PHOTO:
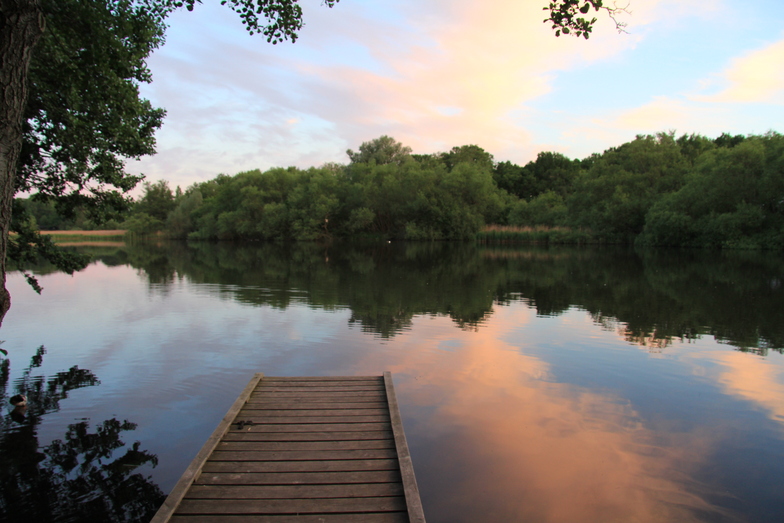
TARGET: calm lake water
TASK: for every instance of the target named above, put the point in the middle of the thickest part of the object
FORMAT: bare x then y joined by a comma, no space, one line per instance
535,384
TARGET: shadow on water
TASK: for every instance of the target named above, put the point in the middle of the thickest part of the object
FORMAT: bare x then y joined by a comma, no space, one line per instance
650,297
88,475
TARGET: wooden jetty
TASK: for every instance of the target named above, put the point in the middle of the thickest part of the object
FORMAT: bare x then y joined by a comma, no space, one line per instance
303,450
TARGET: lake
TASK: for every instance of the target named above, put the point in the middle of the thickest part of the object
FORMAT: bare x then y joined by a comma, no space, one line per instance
535,384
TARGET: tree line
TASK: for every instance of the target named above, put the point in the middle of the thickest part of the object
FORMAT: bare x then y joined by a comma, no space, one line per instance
655,190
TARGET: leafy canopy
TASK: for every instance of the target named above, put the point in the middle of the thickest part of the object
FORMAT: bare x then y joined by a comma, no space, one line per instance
277,20
566,19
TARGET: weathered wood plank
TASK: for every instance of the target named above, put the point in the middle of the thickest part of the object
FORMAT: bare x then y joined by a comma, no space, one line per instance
299,478
329,396
246,435
302,455
292,506
322,446
301,466
294,379
268,389
294,491
173,499
416,513
294,406
260,418
384,517
288,413
319,427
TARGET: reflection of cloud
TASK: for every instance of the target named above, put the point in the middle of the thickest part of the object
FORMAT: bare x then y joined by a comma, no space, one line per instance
754,379
540,450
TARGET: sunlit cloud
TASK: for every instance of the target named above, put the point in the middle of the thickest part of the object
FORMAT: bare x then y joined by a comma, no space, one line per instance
663,114
482,61
756,77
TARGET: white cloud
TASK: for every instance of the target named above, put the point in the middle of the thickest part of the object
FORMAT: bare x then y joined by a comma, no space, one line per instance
755,77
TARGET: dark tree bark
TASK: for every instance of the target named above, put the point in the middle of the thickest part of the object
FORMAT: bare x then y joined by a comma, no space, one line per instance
21,25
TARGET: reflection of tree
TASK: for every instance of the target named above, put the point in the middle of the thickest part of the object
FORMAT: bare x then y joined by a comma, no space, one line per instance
650,297
383,286
78,477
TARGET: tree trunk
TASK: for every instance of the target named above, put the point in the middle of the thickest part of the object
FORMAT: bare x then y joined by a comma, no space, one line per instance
21,25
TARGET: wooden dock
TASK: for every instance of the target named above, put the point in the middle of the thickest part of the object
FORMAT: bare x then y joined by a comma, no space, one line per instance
303,450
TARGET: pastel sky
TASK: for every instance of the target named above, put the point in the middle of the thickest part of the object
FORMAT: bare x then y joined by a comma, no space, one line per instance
435,74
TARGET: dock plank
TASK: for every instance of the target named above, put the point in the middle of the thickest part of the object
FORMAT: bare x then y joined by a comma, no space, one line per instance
326,449
322,446
267,410
292,506
295,491
246,435
318,427
295,405
302,466
309,389
300,478
302,455
385,517
259,418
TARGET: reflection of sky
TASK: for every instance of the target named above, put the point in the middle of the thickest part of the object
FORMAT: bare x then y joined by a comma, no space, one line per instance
542,419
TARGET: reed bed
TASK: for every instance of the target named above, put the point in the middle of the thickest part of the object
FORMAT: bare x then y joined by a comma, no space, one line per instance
537,234
116,235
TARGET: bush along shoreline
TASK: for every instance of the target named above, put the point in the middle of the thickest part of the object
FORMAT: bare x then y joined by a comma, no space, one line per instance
656,190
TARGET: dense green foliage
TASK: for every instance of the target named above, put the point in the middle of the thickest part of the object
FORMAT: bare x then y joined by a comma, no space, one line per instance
658,190
384,192
662,190
83,119
84,114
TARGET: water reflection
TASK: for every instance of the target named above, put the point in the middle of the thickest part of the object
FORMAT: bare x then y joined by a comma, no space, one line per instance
755,380
650,297
548,385
78,477
540,449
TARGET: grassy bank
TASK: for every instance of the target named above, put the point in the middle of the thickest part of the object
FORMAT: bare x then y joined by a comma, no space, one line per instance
538,234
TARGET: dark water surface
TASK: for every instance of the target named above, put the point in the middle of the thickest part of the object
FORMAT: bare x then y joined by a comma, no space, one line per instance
542,385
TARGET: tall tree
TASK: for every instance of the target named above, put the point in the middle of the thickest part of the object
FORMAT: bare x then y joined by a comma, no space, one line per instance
382,150
472,154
